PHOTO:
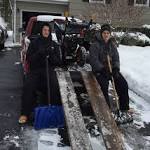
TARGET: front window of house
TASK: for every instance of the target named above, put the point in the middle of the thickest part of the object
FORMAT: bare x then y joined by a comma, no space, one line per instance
141,2
97,1
131,2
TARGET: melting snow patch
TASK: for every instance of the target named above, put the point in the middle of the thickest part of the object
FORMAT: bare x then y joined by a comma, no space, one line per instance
6,137
10,140
15,142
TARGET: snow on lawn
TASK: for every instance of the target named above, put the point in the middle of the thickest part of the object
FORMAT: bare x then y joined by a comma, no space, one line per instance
135,65
146,26
136,35
140,36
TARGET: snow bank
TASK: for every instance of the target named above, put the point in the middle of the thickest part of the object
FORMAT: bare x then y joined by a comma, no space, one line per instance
135,65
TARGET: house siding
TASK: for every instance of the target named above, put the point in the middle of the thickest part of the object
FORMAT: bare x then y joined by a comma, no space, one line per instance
1,5
146,16
78,8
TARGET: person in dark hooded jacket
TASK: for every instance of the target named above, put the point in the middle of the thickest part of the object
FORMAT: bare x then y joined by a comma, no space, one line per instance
38,50
103,46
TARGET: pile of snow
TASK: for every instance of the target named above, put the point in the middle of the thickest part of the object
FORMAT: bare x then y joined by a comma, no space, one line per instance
146,26
2,23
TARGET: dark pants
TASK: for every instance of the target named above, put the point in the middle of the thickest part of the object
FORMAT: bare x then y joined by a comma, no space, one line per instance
35,81
121,86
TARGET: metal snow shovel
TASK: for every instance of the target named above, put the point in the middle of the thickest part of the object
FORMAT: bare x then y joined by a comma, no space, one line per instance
51,116
119,118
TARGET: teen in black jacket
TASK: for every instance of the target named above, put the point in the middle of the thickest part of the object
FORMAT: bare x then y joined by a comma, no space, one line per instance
36,79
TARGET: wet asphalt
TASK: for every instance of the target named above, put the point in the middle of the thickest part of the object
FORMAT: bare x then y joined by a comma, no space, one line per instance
10,91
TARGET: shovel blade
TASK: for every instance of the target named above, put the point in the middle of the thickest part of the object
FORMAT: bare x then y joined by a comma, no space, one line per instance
49,117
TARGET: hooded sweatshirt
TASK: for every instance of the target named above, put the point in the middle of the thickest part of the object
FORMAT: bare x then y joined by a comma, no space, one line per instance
39,49
98,54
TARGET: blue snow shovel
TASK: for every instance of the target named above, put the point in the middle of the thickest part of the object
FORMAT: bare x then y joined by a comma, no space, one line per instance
51,116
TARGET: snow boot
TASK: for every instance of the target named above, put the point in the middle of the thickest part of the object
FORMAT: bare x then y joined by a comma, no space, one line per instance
123,117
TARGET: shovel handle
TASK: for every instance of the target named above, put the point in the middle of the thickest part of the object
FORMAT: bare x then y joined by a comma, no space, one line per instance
48,80
113,83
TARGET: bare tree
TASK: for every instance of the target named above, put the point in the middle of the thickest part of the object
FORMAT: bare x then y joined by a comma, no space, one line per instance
118,12
6,11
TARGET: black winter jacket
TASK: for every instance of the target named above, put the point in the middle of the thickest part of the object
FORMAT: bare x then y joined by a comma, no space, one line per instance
98,55
37,52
